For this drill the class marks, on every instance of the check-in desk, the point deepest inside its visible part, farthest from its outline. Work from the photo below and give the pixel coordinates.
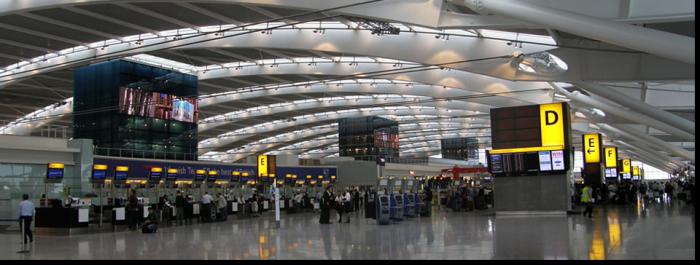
(62, 220)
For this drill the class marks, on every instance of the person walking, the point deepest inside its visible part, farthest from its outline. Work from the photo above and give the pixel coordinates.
(26, 214)
(587, 199)
(221, 204)
(347, 204)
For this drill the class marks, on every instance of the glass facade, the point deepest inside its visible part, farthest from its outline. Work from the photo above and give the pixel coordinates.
(136, 110)
(466, 148)
(368, 137)
(18, 179)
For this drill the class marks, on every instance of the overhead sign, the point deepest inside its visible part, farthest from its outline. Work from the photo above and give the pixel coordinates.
(591, 148)
(626, 165)
(610, 157)
(635, 171)
(552, 124)
(262, 165)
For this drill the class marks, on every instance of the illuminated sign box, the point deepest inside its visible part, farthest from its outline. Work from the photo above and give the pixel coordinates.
(54, 172)
(200, 174)
(591, 148)
(121, 173)
(156, 173)
(172, 174)
(530, 140)
(610, 156)
(99, 172)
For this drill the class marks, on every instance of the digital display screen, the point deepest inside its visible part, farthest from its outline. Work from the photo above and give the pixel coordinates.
(558, 160)
(143, 103)
(99, 174)
(384, 139)
(545, 161)
(611, 173)
(496, 164)
(199, 177)
(171, 176)
(54, 173)
(121, 175)
(383, 182)
(626, 176)
(156, 175)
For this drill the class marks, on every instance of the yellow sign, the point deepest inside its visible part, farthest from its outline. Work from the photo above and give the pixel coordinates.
(245, 174)
(122, 168)
(172, 170)
(262, 166)
(552, 124)
(57, 165)
(635, 171)
(99, 167)
(611, 157)
(200, 171)
(626, 164)
(156, 169)
(526, 149)
(236, 173)
(591, 148)
(213, 173)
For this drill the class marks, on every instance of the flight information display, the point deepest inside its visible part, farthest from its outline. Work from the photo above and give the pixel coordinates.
(529, 163)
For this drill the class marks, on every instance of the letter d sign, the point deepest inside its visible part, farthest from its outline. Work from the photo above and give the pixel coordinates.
(552, 124)
(551, 117)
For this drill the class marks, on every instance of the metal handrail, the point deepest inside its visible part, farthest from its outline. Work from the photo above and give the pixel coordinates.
(138, 153)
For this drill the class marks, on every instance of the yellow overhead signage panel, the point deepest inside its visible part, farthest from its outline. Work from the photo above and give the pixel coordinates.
(635, 171)
(262, 166)
(172, 170)
(200, 171)
(591, 148)
(99, 167)
(552, 124)
(626, 165)
(56, 165)
(156, 169)
(610, 157)
(122, 168)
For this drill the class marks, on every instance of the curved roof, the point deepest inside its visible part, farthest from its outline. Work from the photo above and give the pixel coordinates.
(275, 75)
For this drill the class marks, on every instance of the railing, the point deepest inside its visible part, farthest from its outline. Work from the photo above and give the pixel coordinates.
(412, 161)
(132, 153)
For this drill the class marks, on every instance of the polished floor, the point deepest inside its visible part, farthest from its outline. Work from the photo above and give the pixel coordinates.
(651, 231)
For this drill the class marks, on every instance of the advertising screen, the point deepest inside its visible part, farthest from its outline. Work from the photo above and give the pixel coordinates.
(384, 139)
(143, 103)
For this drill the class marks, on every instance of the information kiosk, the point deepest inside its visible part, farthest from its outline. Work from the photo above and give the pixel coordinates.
(396, 199)
(409, 209)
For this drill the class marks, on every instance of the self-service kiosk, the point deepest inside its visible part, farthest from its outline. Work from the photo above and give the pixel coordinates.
(417, 203)
(408, 197)
(396, 199)
(383, 202)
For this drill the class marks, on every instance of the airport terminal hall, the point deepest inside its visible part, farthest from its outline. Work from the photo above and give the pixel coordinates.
(347, 130)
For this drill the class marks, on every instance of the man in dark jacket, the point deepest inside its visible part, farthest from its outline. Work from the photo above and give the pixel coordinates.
(180, 208)
(326, 204)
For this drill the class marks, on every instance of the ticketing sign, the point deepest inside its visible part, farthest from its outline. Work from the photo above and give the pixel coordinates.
(591, 148)
(610, 157)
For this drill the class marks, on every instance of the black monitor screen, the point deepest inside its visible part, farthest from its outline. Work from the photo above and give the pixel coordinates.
(172, 176)
(156, 175)
(199, 177)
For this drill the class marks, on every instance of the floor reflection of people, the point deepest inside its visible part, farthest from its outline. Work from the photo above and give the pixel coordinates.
(326, 239)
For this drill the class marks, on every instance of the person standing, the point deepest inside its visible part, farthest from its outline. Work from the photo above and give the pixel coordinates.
(326, 201)
(179, 208)
(133, 209)
(347, 204)
(26, 214)
(587, 199)
(206, 204)
(221, 204)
